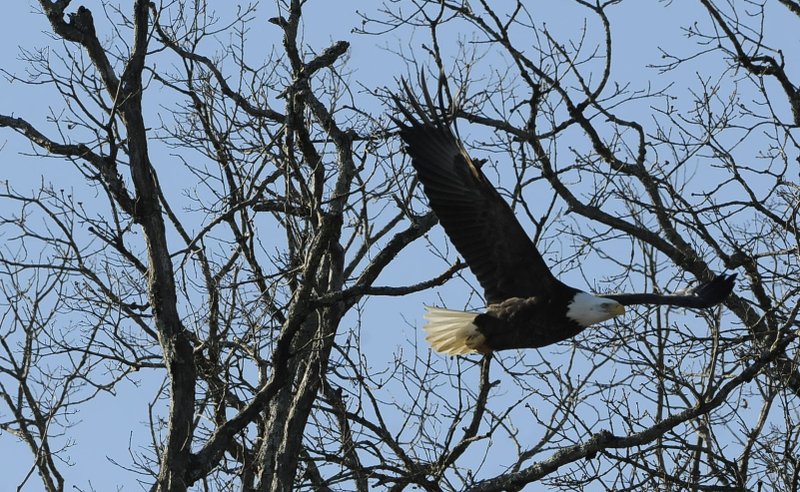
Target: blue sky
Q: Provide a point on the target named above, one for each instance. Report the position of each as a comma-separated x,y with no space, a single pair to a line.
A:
104,429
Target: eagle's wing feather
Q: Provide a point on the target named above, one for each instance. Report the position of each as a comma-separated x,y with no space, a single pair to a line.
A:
478,221
703,296
483,227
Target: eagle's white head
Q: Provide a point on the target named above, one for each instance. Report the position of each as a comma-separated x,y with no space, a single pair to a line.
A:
586,309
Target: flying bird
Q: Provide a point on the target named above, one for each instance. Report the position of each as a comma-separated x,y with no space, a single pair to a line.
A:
527,306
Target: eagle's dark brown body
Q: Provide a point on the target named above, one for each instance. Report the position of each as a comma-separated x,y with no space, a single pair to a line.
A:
525,322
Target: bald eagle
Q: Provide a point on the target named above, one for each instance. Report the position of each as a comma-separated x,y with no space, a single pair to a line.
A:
527,306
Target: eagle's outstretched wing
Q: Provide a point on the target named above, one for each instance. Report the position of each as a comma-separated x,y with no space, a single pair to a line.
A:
483,227
478,221
703,296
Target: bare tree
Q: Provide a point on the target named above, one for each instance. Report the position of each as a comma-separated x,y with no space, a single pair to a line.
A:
238,204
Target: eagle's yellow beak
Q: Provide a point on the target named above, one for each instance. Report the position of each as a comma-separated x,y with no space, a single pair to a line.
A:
617,309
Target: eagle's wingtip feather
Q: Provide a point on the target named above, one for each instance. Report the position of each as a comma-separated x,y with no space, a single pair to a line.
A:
717,290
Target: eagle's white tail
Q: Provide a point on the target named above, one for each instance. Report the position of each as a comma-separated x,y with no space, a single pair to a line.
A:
453,332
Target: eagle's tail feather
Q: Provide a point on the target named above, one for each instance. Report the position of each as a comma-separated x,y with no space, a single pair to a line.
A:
453,332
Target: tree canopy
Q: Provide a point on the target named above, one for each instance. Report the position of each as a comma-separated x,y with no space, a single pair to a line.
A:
208,215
